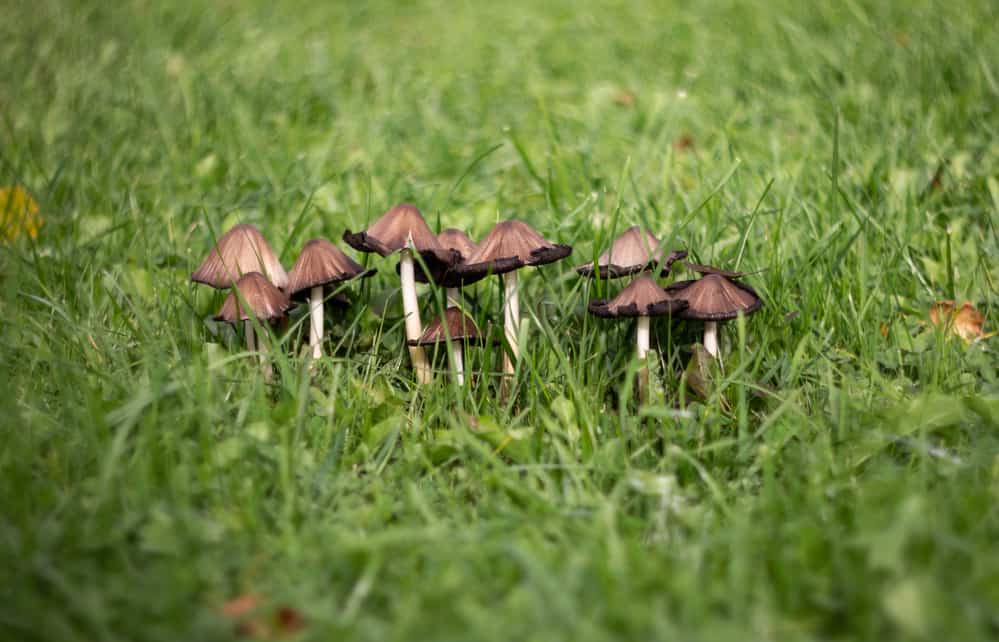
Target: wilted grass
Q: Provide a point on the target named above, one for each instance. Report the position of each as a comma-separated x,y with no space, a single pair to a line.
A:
840,480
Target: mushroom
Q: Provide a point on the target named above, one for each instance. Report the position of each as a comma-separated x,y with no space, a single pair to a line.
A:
319,265
714,298
402,229
453,328
241,250
643,298
451,239
456,240
263,302
634,251
509,246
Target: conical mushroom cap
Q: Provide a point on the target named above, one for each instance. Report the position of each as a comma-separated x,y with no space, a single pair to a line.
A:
322,263
454,239
393,231
634,251
715,298
261,297
241,250
445,276
454,325
510,245
710,269
642,298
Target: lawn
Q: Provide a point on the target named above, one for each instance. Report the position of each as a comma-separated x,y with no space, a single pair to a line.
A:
836,478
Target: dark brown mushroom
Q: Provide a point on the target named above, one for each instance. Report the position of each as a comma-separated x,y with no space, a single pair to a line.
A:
241,250
253,296
510,245
714,298
451,239
320,265
403,229
454,328
643,299
634,251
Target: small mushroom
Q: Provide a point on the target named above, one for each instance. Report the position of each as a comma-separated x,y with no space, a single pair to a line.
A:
454,328
456,240
263,301
451,239
241,250
320,265
402,229
634,251
714,298
509,246
643,299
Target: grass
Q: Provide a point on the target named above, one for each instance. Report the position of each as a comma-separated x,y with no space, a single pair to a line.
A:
840,481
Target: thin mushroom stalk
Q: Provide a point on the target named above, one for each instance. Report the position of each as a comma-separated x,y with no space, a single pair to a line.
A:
254,344
711,338
511,322
316,321
642,339
248,333
456,361
414,328
265,365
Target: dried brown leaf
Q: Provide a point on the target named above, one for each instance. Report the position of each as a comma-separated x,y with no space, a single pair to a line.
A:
964,320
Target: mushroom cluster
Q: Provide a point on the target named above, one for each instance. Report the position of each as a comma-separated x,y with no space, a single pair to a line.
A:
716,296
262,293
260,290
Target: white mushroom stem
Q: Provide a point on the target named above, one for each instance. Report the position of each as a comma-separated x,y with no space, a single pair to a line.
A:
265,365
642,339
511,321
316,321
711,338
414,328
254,344
453,298
248,332
456,361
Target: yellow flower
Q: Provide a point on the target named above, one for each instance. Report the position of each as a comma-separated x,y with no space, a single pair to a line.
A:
18,214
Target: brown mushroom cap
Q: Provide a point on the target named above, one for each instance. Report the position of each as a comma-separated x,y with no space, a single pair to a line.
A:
642,298
445,276
634,251
454,239
454,325
715,298
510,245
241,250
261,297
710,269
322,263
393,231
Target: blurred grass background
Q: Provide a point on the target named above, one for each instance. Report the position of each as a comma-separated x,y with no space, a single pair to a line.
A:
839,481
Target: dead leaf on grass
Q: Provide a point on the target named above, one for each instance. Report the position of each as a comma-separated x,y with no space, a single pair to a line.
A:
964,321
